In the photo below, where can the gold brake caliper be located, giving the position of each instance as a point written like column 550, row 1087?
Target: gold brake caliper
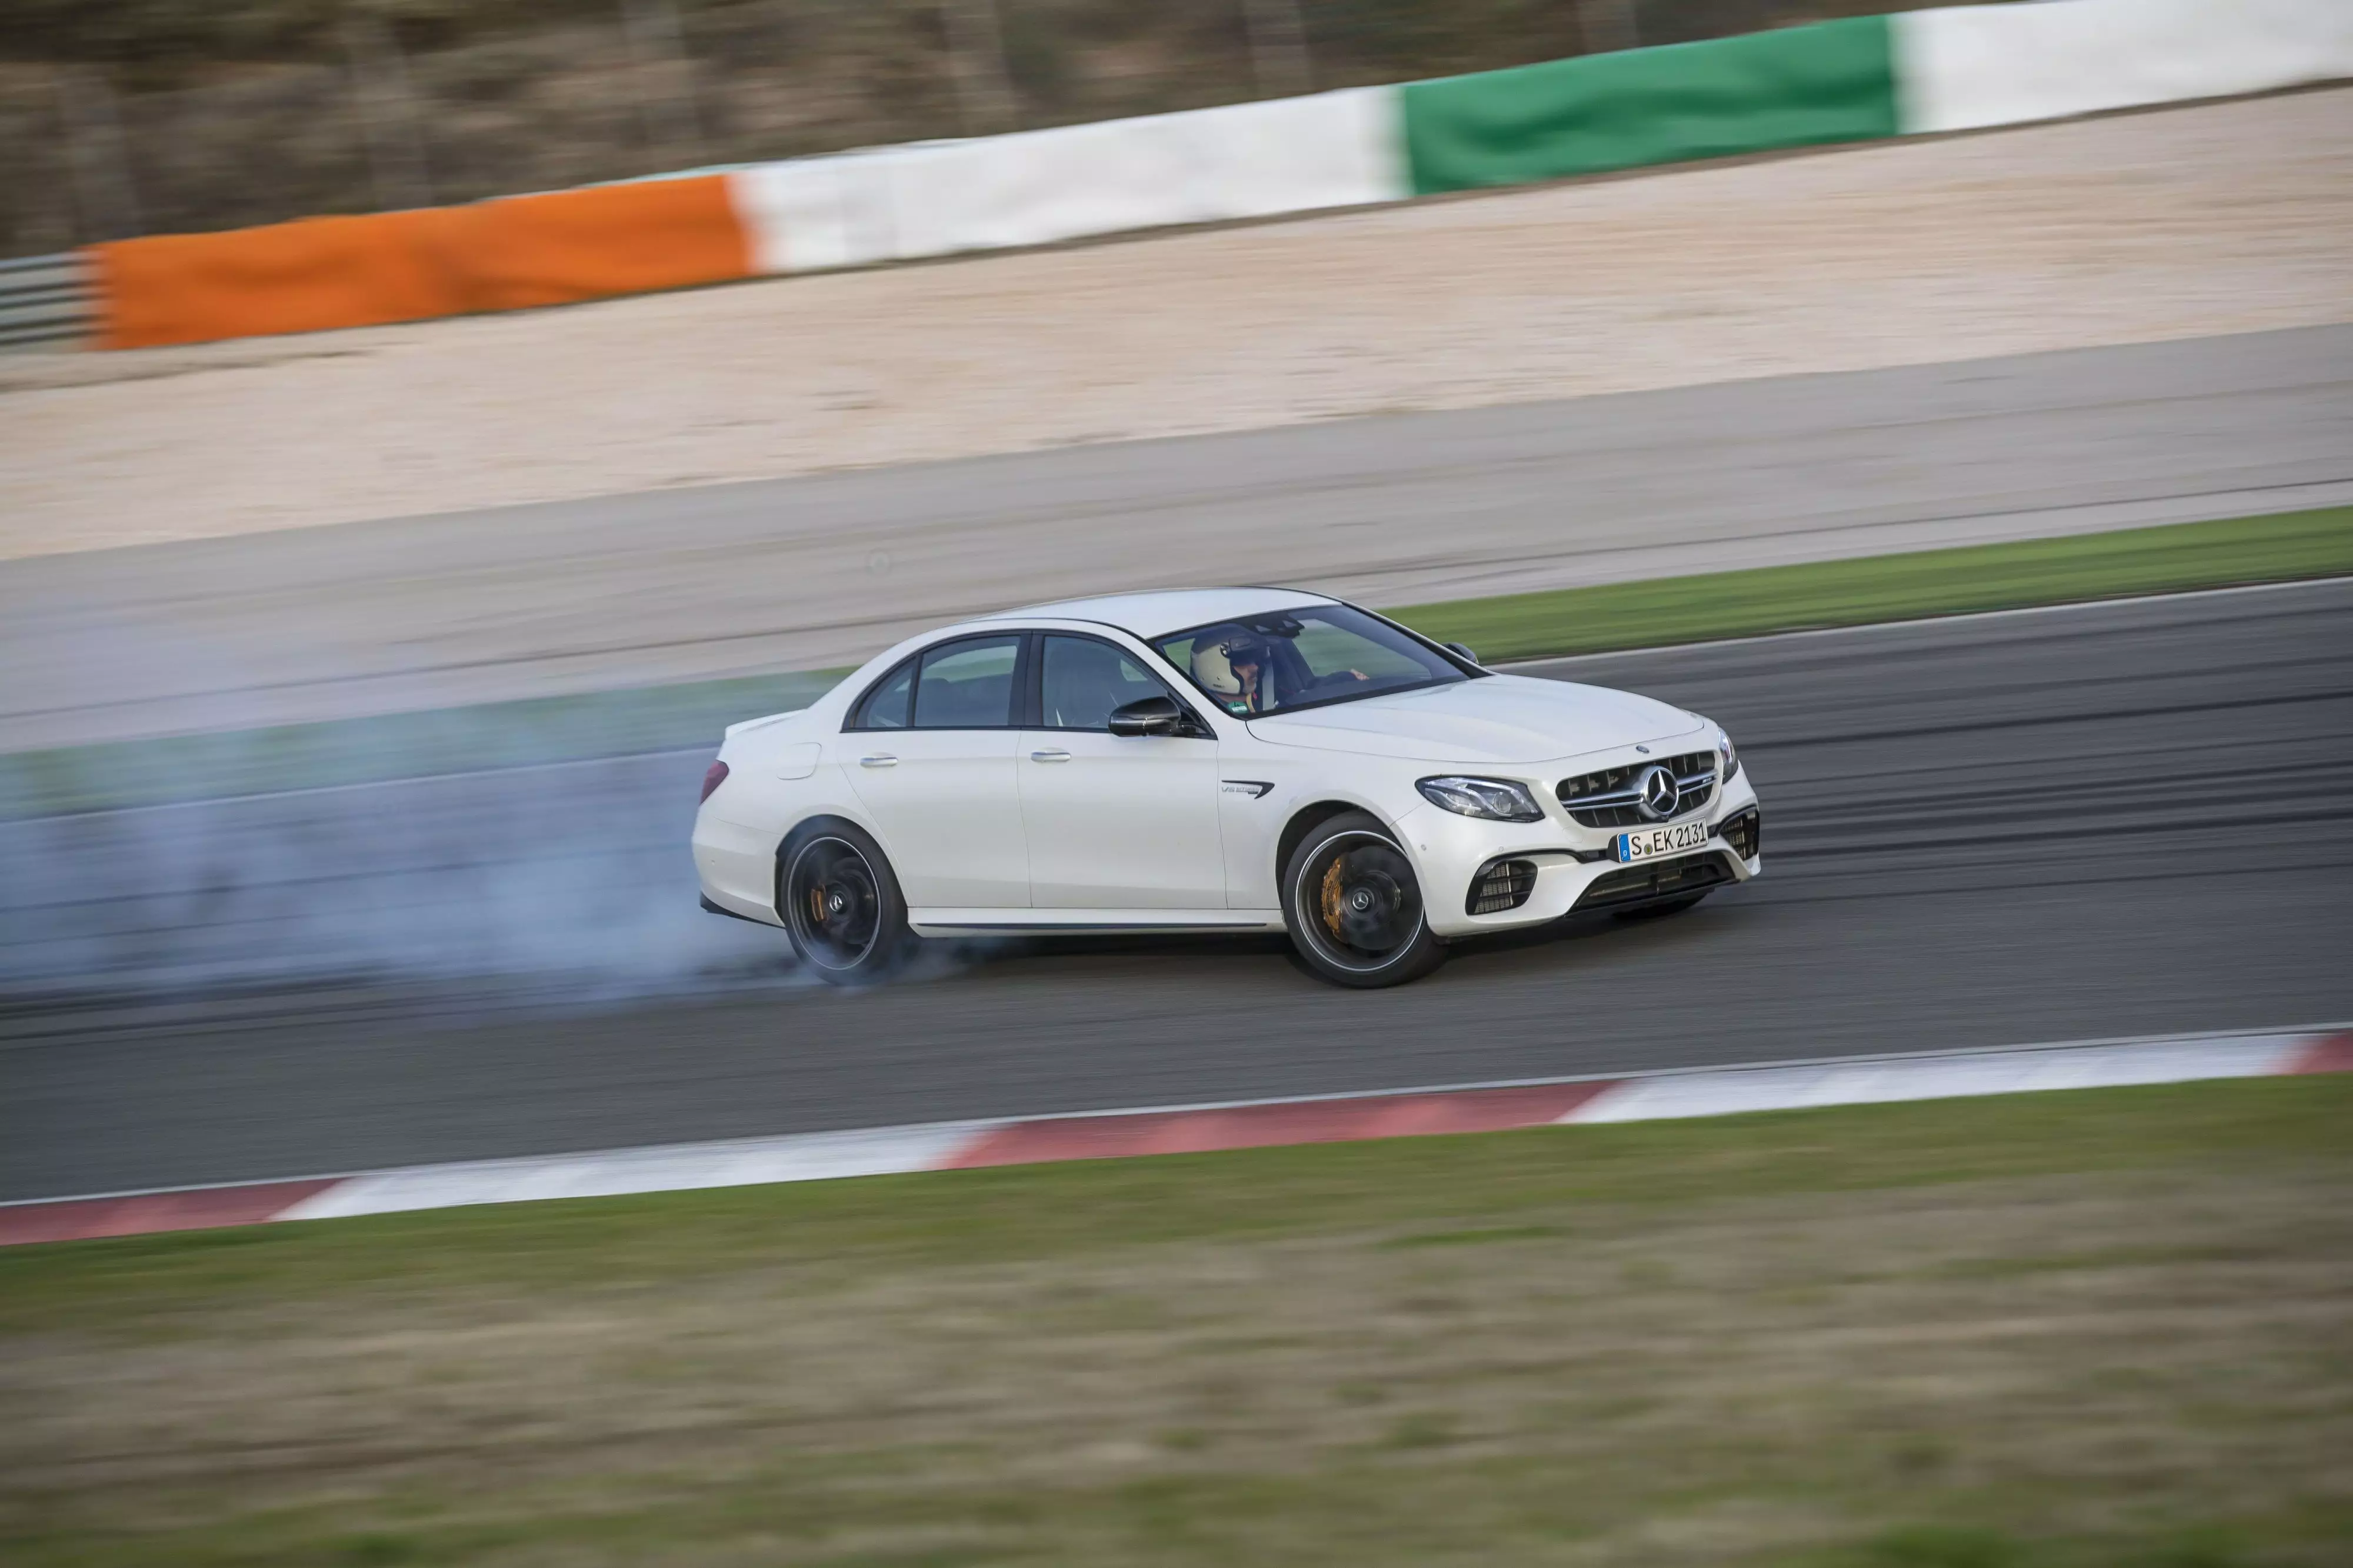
column 1331, row 896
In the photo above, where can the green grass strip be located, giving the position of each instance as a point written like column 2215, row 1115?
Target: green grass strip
column 1522, row 625
column 2098, row 1329
column 1462, row 1190
column 1971, row 578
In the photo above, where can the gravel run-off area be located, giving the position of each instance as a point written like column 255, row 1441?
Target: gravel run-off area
column 2222, row 217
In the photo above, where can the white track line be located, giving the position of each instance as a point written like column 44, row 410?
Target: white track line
column 1729, row 1091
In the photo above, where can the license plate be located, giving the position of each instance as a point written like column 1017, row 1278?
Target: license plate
column 1651, row 843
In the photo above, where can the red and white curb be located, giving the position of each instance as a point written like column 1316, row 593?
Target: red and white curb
column 1194, row 1129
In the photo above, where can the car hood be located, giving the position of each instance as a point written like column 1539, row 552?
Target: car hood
column 1497, row 719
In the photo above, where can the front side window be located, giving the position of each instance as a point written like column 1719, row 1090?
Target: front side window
column 967, row 685
column 1083, row 680
column 1302, row 657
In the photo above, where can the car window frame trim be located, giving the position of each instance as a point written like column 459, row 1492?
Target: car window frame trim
column 1024, row 641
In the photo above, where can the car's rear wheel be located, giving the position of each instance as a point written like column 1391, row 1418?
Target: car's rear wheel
column 842, row 904
column 1353, row 906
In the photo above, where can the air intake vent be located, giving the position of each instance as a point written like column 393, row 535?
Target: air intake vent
column 1500, row 885
column 1650, row 883
column 1745, row 831
column 1614, row 796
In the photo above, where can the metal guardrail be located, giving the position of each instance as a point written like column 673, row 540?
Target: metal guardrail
column 47, row 301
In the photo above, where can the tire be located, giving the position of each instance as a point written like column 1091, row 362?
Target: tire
column 1664, row 907
column 841, row 903
column 1353, row 906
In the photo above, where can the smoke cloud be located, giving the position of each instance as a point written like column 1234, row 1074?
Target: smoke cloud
column 577, row 871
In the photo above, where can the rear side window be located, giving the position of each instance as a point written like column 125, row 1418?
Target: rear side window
column 887, row 707
column 967, row 685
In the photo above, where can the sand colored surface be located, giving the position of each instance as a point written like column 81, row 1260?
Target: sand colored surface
column 2219, row 218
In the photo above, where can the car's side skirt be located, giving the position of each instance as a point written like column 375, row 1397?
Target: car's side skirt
column 1015, row 922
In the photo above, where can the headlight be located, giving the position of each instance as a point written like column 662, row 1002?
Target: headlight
column 1497, row 800
column 1727, row 757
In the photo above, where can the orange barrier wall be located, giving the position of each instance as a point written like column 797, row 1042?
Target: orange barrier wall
column 501, row 254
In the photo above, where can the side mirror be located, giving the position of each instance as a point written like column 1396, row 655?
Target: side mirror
column 1459, row 651
column 1161, row 715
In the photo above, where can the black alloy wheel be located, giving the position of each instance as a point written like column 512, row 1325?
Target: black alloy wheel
column 842, row 904
column 1353, row 906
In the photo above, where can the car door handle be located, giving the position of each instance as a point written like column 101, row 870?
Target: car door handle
column 1049, row 756
column 879, row 760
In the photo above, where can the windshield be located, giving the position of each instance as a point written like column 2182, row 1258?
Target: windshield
column 1299, row 659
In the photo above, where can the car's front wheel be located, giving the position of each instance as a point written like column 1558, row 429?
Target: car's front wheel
column 1353, row 906
column 842, row 904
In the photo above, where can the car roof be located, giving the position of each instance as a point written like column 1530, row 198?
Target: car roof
column 1160, row 611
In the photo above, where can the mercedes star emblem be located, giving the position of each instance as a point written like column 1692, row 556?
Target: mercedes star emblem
column 1657, row 787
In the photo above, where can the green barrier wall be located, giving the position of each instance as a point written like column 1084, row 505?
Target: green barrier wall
column 1833, row 82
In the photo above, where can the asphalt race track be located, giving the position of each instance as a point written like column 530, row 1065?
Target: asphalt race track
column 819, row 573
column 2096, row 821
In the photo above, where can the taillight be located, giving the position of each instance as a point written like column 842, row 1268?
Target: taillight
column 715, row 775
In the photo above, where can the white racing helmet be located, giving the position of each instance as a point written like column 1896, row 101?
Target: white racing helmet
column 1214, row 658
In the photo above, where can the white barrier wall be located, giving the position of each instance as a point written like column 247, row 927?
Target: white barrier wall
column 1953, row 69
column 2001, row 65
column 1949, row 69
column 1250, row 160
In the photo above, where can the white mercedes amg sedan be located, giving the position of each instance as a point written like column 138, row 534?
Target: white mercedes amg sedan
column 1211, row 760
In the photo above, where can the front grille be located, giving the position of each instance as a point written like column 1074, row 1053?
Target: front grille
column 1667, row 879
column 1609, row 799
column 1745, row 831
column 1502, row 885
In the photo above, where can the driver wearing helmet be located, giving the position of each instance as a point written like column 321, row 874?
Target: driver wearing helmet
column 1233, row 666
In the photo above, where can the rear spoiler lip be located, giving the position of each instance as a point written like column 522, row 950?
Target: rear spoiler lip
column 745, row 726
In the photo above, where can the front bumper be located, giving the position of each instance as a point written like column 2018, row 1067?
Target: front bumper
column 1572, row 864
